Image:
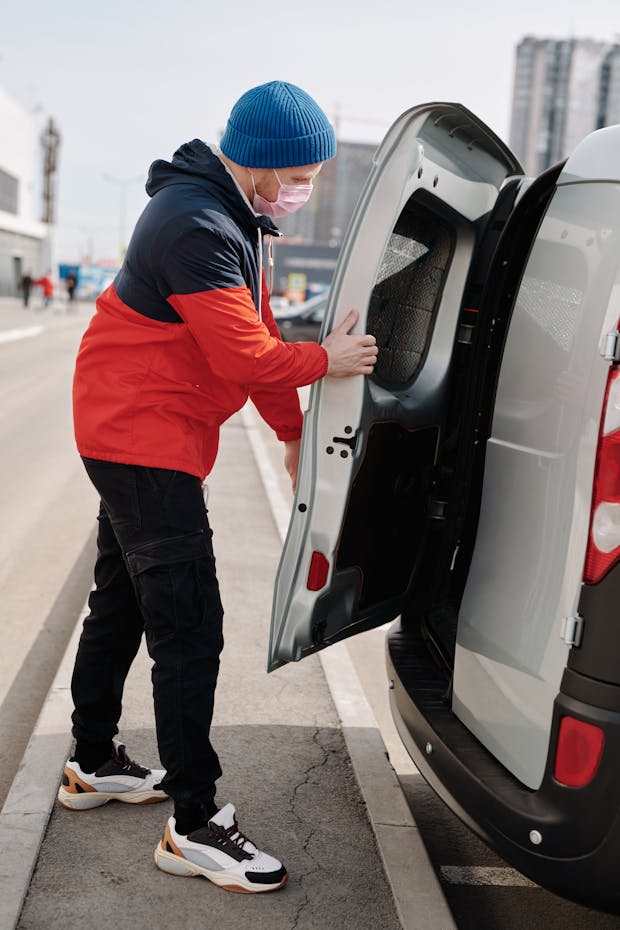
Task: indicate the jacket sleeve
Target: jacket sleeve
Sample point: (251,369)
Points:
(279,407)
(208,291)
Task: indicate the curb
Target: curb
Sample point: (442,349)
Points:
(28,806)
(418,896)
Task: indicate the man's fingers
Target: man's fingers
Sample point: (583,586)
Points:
(366,366)
(350,354)
(348,323)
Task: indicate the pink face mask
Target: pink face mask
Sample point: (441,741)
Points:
(290,198)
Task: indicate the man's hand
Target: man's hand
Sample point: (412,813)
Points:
(349,355)
(291,459)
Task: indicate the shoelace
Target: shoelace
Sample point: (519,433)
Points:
(232,834)
(120,757)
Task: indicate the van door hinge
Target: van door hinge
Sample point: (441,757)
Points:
(610,349)
(572,630)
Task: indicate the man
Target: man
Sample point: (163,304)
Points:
(71,284)
(47,285)
(25,287)
(180,340)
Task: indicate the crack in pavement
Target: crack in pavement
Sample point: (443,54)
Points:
(292,801)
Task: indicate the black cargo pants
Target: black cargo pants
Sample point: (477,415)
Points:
(155,573)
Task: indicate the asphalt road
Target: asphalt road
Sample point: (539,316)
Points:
(47,515)
(47,512)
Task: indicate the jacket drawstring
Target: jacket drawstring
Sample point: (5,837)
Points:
(270,264)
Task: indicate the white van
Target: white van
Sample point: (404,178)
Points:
(471,486)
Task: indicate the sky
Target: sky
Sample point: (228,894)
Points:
(128,82)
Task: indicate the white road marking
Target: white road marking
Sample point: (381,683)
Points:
(483,875)
(23,332)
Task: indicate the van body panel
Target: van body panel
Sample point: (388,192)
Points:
(526,572)
(595,158)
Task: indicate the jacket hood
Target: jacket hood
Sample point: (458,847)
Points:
(195,161)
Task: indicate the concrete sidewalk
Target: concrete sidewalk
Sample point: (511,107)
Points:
(285,766)
(18,322)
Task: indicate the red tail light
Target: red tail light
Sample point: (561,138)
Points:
(578,754)
(604,540)
(319,570)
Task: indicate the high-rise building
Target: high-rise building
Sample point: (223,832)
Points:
(337,189)
(563,90)
(609,105)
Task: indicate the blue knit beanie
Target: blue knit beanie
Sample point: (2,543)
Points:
(277,125)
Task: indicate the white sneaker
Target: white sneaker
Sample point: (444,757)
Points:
(221,853)
(118,779)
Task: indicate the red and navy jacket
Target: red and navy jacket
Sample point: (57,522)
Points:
(185,334)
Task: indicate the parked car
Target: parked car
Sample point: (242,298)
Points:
(470,487)
(302,322)
(279,303)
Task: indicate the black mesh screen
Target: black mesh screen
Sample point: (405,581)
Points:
(407,291)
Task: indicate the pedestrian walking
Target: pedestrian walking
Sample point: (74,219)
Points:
(26,286)
(71,284)
(47,285)
(178,343)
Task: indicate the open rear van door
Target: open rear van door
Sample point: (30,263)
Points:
(369,446)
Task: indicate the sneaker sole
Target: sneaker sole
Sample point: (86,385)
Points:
(90,799)
(177,865)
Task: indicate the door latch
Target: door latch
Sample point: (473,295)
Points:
(611,346)
(572,630)
(350,440)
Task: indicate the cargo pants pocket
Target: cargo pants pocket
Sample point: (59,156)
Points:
(172,578)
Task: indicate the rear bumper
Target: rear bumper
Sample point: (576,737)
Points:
(580,827)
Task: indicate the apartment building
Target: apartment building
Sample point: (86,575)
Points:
(563,90)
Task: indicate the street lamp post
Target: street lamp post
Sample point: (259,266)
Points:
(123,184)
(50,140)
